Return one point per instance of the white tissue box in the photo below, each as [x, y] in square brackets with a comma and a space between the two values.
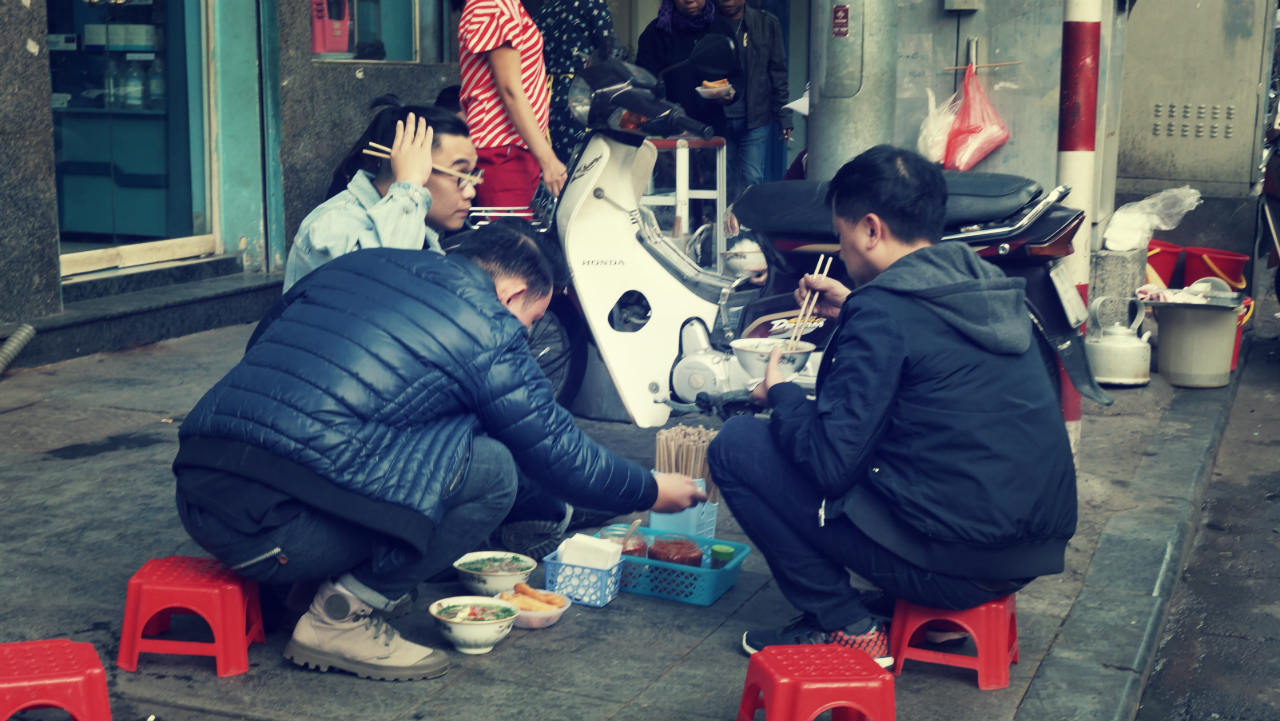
[583, 550]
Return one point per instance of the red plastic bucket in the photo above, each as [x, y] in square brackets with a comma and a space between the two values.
[1162, 257]
[1214, 263]
[1246, 311]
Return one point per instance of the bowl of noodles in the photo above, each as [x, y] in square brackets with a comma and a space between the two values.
[489, 572]
[474, 624]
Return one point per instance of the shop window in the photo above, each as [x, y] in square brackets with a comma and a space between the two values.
[365, 30]
[128, 93]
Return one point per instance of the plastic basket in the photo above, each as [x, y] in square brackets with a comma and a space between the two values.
[585, 585]
[677, 582]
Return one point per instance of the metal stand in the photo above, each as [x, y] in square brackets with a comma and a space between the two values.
[680, 198]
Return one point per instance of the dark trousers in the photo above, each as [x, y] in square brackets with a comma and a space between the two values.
[378, 569]
[777, 506]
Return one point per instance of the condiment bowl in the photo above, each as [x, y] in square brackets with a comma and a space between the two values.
[456, 617]
[753, 354]
[479, 580]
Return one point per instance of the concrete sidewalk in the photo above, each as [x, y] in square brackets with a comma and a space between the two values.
[86, 498]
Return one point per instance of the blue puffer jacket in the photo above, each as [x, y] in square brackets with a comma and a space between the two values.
[361, 390]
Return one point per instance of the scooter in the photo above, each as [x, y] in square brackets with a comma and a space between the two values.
[663, 324]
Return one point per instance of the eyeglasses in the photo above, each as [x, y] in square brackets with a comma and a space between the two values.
[465, 180]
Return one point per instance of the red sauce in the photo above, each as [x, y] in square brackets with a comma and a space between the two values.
[680, 550]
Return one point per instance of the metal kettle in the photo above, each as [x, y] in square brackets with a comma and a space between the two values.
[1117, 354]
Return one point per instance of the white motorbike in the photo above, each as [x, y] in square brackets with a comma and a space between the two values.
[665, 326]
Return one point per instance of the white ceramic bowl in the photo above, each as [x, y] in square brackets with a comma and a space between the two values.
[473, 637]
[542, 619]
[488, 583]
[753, 354]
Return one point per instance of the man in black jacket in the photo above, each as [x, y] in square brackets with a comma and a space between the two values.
[760, 90]
[934, 461]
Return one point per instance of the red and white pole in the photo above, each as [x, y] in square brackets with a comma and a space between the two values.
[1077, 135]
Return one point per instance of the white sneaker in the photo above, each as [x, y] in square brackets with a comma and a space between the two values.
[340, 631]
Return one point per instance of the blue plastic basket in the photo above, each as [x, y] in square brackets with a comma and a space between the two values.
[585, 585]
[677, 582]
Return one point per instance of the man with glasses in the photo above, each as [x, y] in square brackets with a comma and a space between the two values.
[410, 178]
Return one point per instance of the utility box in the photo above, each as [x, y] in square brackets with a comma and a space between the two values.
[1196, 82]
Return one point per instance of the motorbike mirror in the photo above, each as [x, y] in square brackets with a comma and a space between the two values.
[713, 56]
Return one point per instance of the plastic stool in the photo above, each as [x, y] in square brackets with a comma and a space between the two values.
[796, 683]
[204, 587]
[60, 672]
[993, 627]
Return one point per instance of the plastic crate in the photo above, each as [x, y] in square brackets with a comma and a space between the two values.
[585, 585]
[677, 582]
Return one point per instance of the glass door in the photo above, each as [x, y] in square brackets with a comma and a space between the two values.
[129, 138]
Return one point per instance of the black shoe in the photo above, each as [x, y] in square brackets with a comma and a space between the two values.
[868, 635]
[534, 539]
[590, 518]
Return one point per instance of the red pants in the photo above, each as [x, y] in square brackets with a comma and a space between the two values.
[511, 176]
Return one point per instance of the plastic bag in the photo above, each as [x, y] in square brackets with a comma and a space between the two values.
[977, 130]
[932, 142]
[1131, 225]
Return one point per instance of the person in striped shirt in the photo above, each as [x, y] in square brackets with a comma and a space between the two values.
[506, 99]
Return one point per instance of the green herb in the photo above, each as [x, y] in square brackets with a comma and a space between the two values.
[496, 564]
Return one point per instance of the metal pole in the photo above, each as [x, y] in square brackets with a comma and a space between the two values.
[1077, 135]
[853, 61]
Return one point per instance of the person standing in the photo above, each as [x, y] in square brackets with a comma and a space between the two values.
[664, 47]
[572, 31]
[505, 96]
[761, 91]
[933, 461]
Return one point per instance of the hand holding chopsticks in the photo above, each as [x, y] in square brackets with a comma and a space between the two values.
[808, 304]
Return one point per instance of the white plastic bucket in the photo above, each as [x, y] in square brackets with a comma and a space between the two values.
[1195, 344]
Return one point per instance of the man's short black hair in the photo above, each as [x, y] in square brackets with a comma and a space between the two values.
[907, 191]
[450, 98]
[503, 250]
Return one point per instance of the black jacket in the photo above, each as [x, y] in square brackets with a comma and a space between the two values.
[763, 76]
[936, 430]
[658, 50]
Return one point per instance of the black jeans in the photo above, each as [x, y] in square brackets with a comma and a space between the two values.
[777, 506]
[378, 569]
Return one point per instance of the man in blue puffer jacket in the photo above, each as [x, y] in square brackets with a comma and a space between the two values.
[934, 461]
[371, 435]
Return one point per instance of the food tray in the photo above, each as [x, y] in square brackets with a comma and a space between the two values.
[677, 582]
[588, 586]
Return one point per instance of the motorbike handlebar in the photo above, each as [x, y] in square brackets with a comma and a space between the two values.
[688, 124]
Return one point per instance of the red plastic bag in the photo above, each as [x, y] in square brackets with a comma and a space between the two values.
[977, 129]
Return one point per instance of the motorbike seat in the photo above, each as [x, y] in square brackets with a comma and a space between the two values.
[799, 207]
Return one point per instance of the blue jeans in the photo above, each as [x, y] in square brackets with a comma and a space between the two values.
[777, 506]
[745, 149]
[378, 569]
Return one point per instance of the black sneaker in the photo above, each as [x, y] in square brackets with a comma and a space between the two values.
[868, 636]
[534, 539]
[581, 518]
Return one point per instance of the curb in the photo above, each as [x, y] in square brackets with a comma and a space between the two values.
[1098, 663]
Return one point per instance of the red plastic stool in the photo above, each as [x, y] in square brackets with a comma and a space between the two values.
[993, 627]
[796, 683]
[62, 673]
[204, 587]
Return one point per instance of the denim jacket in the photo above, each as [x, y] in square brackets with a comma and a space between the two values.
[360, 218]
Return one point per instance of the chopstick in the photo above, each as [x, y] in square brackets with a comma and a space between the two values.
[809, 304]
[378, 150]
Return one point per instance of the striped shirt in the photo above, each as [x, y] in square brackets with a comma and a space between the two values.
[489, 24]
